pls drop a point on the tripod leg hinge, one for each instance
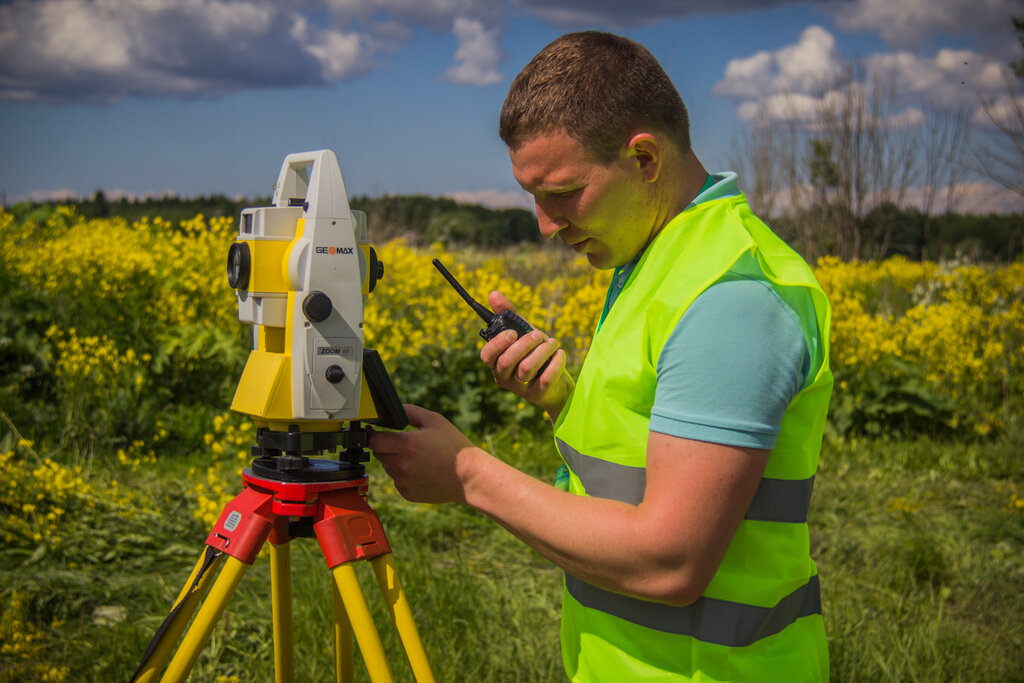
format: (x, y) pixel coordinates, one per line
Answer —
(349, 530)
(244, 525)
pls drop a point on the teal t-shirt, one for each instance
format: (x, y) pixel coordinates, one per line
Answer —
(736, 358)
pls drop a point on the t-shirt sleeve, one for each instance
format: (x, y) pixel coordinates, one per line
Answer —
(731, 367)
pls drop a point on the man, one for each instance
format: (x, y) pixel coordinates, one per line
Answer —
(692, 434)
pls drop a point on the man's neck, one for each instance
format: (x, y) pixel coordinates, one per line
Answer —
(693, 177)
(680, 182)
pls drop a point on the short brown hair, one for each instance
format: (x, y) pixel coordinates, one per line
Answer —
(599, 88)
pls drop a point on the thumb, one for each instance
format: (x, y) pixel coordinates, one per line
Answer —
(419, 417)
(499, 302)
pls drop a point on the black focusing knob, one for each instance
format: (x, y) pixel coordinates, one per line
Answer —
(317, 306)
(335, 374)
(376, 270)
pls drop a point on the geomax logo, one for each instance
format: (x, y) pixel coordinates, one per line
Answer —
(334, 250)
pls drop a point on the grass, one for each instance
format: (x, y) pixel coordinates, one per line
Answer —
(919, 545)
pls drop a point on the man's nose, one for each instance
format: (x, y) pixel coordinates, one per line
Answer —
(548, 221)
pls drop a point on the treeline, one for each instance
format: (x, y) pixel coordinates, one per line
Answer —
(423, 220)
(170, 207)
(889, 230)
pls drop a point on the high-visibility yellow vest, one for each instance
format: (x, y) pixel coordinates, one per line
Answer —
(760, 617)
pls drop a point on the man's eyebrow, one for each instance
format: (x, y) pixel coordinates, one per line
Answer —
(552, 188)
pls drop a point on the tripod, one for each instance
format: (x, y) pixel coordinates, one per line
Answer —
(285, 497)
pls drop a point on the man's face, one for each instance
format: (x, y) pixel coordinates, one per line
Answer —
(603, 210)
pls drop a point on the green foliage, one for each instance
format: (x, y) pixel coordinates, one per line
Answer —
(890, 398)
(424, 220)
(992, 237)
(919, 542)
(920, 547)
(170, 207)
(197, 363)
(421, 219)
(27, 389)
(453, 382)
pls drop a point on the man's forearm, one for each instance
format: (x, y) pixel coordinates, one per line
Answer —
(604, 542)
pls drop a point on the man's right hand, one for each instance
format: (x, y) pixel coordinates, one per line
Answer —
(515, 363)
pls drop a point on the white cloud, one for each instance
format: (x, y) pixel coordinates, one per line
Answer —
(795, 81)
(949, 79)
(575, 14)
(970, 198)
(496, 199)
(478, 56)
(908, 118)
(908, 23)
(69, 30)
(787, 84)
(747, 77)
(803, 67)
(340, 55)
(40, 196)
(780, 107)
(227, 19)
(102, 51)
(1006, 111)
(809, 63)
(973, 198)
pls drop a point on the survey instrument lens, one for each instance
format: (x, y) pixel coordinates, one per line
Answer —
(239, 265)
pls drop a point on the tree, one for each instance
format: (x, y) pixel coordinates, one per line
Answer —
(1018, 64)
(944, 145)
(851, 148)
(1000, 155)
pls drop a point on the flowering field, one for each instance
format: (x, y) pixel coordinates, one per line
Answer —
(121, 349)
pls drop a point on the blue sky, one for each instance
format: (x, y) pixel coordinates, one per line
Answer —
(198, 97)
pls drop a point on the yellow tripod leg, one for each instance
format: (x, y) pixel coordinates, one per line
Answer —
(151, 668)
(197, 635)
(281, 606)
(344, 652)
(401, 614)
(362, 623)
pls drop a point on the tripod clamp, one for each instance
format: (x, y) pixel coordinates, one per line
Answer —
(283, 455)
(348, 529)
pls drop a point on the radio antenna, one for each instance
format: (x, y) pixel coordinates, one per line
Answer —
(480, 309)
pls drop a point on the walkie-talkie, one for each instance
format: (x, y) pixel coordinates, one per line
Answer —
(496, 322)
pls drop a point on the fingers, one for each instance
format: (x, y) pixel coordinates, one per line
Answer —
(384, 442)
(496, 347)
(419, 417)
(518, 359)
(393, 442)
(552, 370)
(533, 364)
(499, 302)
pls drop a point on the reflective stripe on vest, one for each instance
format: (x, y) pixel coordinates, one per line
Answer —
(708, 619)
(776, 500)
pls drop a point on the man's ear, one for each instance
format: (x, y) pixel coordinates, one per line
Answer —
(645, 151)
